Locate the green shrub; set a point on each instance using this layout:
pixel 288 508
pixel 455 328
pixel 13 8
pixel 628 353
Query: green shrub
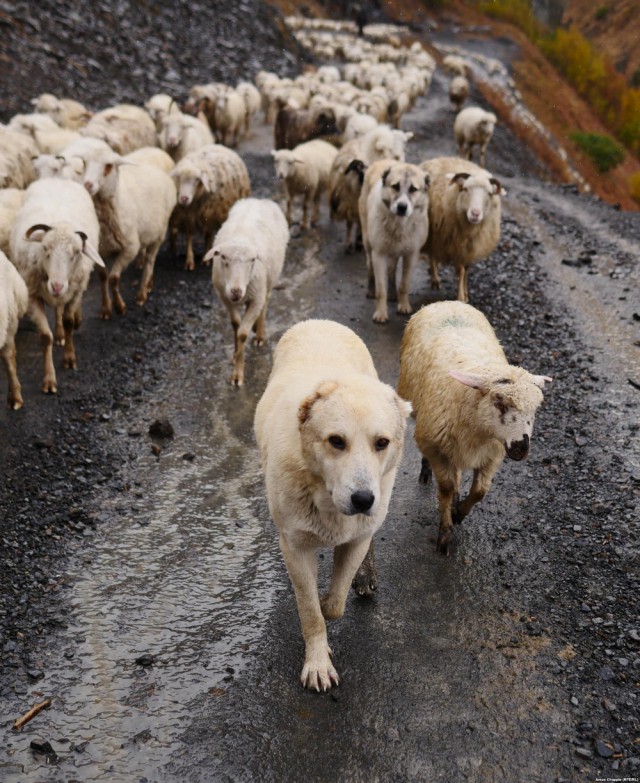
pixel 602 150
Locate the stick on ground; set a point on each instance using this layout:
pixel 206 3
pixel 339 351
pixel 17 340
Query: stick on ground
pixel 20 722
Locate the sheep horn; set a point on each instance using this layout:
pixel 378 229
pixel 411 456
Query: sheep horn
pixel 459 178
pixel 36 227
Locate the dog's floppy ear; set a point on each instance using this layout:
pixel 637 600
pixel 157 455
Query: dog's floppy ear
pixel 323 390
pixel 385 175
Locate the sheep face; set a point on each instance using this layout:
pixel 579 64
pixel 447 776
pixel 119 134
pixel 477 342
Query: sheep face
pixel 392 147
pixel 475 195
pixel 507 407
pixel 284 162
pixel 101 174
pixel 233 265
pixel 62 249
pixel 188 185
pixel 404 189
pixel 173 130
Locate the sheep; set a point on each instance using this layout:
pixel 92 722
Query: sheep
pixel 65 112
pixel 182 134
pixel 133 202
pixel 229 115
pixel 209 181
pixel 154 156
pixel 471 406
pixel 16 154
pixel 11 199
pixel 472 126
pixel 54 243
pixel 47 165
pixel 357 126
pixel 464 215
pixel 252 102
pixel 14 299
pixel 458 91
pixel 124 127
pixel 158 106
pixel 248 256
pixel 455 64
pixel 380 143
pixel 296 126
pixel 305 171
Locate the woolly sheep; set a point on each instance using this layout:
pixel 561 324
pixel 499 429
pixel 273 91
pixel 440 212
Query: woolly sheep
pixel 455 64
pixel 154 156
pixel 14 299
pixel 47 165
pixel 65 112
pixel 133 202
pixel 230 114
pixel 464 215
pixel 248 256
pixel 158 106
pixel 182 134
pixel 16 153
pixel 458 91
pixel 252 102
pixel 471 406
pixel 11 199
pixel 124 127
pixel 296 126
pixel 305 171
pixel 54 243
pixel 357 126
pixel 472 126
pixel 209 181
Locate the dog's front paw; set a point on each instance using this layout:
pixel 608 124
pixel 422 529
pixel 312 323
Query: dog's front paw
pixel 318 673
pixel 381 317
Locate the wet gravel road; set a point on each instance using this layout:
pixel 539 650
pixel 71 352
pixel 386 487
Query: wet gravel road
pixel 142 586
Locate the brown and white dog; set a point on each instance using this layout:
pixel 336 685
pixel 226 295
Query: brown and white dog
pixel 393 214
pixel 330 437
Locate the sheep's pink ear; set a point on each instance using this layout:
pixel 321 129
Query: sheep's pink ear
pixel 37 232
pixel 474 381
pixel 205 182
pixel 89 250
pixel 212 253
pixel 540 380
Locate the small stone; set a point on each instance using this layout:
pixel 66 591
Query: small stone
pixel 635 635
pixel 603 749
pixel 35 674
pixel 609 705
pixel 146 660
pixel 162 429
pixel 584 753
pixel 188 456
pixel 577 528
pixel 623 661
pixel 156 450
pixel 574 701
pixel 45 748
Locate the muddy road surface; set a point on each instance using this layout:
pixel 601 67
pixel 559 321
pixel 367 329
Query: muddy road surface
pixel 143 588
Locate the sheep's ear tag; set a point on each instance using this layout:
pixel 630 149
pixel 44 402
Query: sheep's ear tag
pixel 473 381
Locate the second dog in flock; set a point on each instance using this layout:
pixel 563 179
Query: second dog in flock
pixel 393 214
pixel 330 437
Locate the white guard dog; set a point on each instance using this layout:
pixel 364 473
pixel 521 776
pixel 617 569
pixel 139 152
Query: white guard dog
pixel 393 215
pixel 330 436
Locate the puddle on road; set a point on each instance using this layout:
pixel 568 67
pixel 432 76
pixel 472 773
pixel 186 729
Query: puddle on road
pixel 190 580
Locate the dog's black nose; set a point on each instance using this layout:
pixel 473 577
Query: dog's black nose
pixel 362 500
pixel 401 209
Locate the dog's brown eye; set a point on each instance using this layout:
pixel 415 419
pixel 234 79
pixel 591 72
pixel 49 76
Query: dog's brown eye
pixel 396 187
pixel 381 444
pixel 337 442
pixel 412 188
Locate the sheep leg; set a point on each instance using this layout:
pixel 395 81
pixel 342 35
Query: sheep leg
pixel 347 558
pixel 479 487
pixel 433 273
pixel 315 217
pixel 379 266
pixel 462 283
pixel 365 582
pixel 408 262
pixel 8 353
pixel 146 284
pixel 118 301
pixel 77 317
pixel 259 326
pixel 242 330
pixel 448 481
pixel 305 210
pixel 106 310
pixel 69 355
pixel 425 472
pixel 190 264
pixel 318 672
pixel 59 330
pixel 39 318
pixel 483 154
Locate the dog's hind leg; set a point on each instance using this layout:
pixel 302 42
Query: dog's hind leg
pixel 365 582
pixel 347 558
pixel 318 672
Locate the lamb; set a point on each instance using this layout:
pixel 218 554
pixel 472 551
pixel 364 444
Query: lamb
pixel 182 134
pixel 458 91
pixel 471 406
pixel 16 154
pixel 472 126
pixel 124 127
pixel 209 181
pixel 14 299
pixel 133 202
pixel 379 143
pixel 305 171
pixel 65 112
pixel 248 256
pixel 229 115
pixel 393 215
pixel 296 126
pixel 54 243
pixel 464 215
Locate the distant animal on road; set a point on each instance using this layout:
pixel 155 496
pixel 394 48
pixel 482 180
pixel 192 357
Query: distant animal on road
pixel 330 437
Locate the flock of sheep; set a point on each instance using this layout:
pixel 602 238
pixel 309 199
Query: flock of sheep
pixel 79 189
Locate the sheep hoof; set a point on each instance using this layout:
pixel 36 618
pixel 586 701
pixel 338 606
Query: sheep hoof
pixel 425 472
pixel 49 386
pixel 70 363
pixel 258 341
pixel 15 403
pixel 457 515
pixel 444 541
